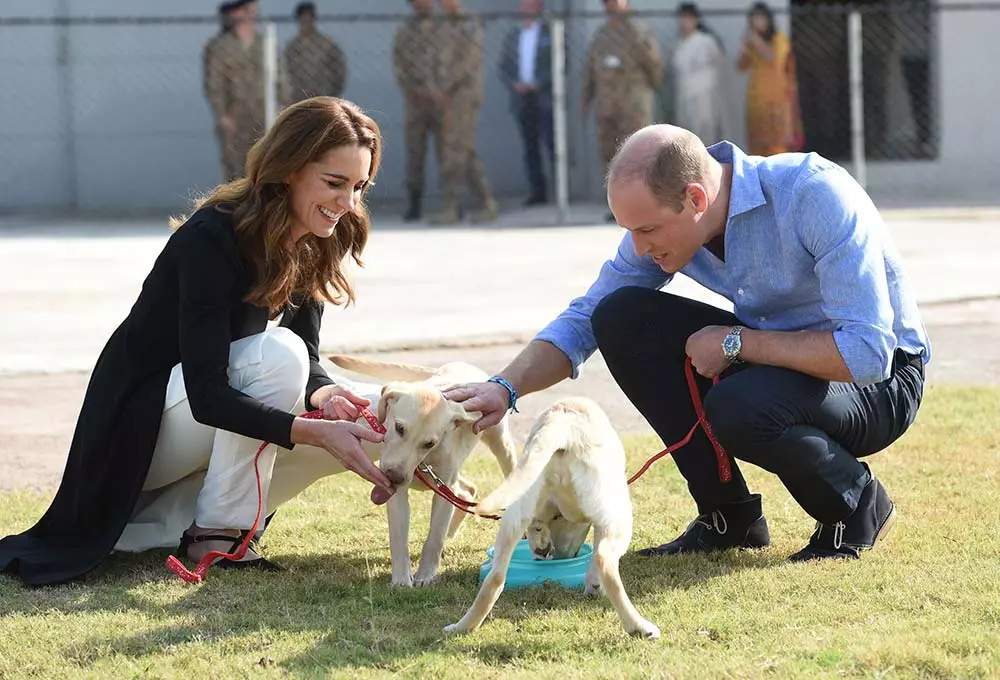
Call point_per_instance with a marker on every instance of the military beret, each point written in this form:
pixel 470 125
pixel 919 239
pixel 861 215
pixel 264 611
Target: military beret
pixel 233 4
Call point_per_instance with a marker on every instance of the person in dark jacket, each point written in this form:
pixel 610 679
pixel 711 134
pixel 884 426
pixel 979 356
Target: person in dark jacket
pixel 526 70
pixel 218 353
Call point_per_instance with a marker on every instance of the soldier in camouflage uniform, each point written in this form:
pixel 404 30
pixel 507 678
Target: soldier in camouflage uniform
pixel 315 64
pixel 234 81
pixel 460 75
pixel 415 62
pixel 211 59
pixel 623 71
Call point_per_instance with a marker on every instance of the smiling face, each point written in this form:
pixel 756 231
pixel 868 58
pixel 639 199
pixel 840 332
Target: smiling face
pixel 672 238
pixel 323 191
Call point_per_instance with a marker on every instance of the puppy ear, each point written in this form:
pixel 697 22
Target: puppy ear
pixel 388 396
pixel 459 416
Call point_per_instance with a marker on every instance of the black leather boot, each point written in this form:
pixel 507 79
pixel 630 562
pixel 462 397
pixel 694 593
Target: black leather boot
pixel 733 525
pixel 861 530
pixel 413 212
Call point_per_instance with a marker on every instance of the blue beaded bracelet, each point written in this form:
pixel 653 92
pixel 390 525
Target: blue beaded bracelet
pixel 512 401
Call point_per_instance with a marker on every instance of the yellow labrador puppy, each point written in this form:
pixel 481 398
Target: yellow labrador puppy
pixel 422 427
pixel 571 476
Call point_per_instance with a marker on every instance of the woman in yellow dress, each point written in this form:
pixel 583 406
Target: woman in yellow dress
pixel 773 121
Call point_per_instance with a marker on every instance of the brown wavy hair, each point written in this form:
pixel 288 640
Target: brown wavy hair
pixel 260 204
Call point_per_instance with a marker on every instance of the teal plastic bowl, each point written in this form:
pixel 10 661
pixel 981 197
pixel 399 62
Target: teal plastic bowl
pixel 525 571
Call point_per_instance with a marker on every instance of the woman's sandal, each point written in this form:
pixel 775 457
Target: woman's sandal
pixel 260 563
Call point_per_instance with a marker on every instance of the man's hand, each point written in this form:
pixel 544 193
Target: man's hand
pixel 524 88
pixel 705 349
pixel 228 125
pixel 440 99
pixel 490 399
pixel 339 403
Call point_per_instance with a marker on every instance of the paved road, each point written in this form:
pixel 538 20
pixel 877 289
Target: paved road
pixel 469 294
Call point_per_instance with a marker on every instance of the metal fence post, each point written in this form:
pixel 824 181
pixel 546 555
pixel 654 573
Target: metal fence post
pixel 856 83
pixel 67 104
pixel 270 73
pixel 561 161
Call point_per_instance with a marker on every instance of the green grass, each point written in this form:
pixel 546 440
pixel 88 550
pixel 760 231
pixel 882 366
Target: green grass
pixel 924 604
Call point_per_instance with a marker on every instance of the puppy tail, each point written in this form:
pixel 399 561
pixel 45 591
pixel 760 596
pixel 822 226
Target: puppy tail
pixel 548 439
pixel 382 369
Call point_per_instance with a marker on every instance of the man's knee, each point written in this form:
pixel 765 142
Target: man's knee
pixel 617 314
pixel 738 416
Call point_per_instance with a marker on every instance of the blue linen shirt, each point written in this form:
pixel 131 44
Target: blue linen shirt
pixel 805 249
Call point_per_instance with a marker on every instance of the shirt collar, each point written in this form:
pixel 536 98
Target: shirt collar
pixel 745 193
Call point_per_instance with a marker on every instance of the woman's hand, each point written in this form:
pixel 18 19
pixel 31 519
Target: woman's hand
pixel 342 440
pixel 339 403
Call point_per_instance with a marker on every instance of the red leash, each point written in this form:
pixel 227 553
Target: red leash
pixel 725 471
pixel 198 575
pixel 442 489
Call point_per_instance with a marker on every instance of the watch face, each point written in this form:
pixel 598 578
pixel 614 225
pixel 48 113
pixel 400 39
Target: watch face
pixel 731 346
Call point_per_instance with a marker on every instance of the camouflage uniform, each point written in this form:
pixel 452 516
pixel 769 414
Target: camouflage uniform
pixel 623 70
pixel 234 83
pixel 460 75
pixel 315 65
pixel 415 63
pixel 215 92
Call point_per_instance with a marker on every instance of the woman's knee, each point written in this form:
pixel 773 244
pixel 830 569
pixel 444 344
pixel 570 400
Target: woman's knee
pixel 283 354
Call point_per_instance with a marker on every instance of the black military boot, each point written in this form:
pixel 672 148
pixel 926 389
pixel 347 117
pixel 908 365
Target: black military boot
pixel 413 212
pixel 870 522
pixel 734 525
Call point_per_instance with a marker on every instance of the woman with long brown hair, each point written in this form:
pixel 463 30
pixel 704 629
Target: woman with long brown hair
pixel 218 353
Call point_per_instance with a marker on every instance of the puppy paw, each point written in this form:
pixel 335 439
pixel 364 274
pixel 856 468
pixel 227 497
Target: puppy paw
pixel 424 581
pixel 402 582
pixel 457 628
pixel 644 629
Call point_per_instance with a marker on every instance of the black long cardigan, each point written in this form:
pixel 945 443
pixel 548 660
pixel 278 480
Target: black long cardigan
pixel 189 311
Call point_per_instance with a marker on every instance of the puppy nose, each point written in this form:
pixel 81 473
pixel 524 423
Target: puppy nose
pixel 394 476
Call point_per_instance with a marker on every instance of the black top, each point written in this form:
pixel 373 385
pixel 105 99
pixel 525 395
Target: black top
pixel 189 311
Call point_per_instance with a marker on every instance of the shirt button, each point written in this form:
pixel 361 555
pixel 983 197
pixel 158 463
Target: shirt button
pixel 740 291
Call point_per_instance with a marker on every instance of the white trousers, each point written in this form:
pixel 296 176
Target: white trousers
pixel 205 475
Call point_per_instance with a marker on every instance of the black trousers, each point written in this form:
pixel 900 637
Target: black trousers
pixel 809 432
pixel 535 122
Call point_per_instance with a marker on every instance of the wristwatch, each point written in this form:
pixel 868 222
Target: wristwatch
pixel 732 344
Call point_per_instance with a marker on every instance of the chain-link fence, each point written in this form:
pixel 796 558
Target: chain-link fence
pixel 141 113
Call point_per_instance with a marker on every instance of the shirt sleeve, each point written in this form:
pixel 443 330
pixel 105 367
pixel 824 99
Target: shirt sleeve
pixel 207 282
pixel 843 230
pixel 305 323
pixel 571 332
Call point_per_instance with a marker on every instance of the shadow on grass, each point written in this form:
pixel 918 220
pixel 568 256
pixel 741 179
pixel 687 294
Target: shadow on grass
pixel 345 603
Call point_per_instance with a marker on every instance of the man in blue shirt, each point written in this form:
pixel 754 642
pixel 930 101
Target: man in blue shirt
pixel 821 361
